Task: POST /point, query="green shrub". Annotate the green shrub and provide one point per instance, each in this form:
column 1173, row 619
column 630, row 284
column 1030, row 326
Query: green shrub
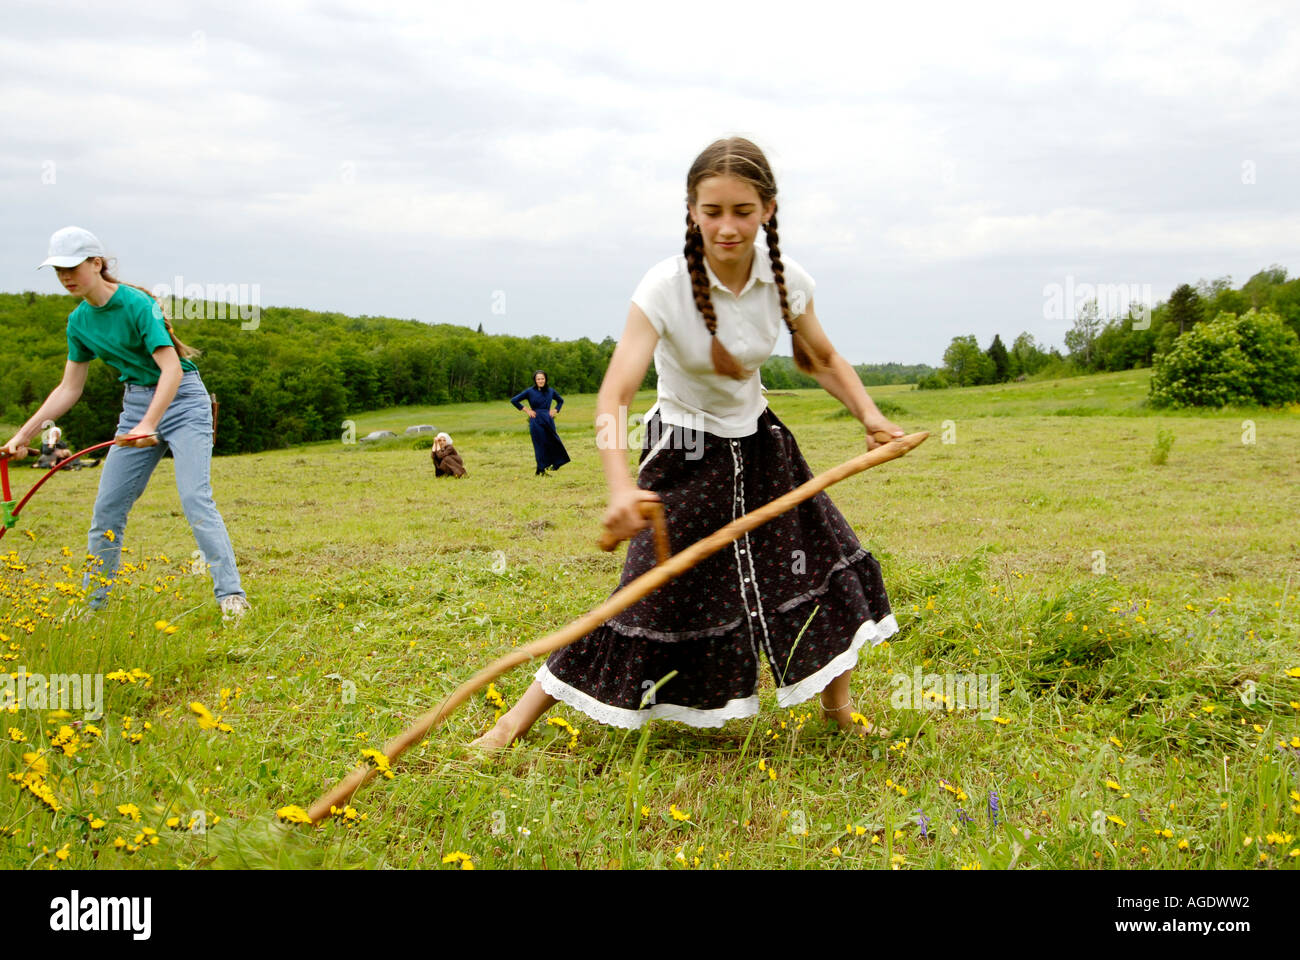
column 935, row 381
column 1160, row 452
column 1242, row 360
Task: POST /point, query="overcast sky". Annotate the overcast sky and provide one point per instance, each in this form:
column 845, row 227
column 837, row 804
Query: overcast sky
column 939, row 166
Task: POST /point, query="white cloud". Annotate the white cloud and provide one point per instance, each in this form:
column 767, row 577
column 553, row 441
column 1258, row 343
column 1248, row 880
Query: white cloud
column 555, row 138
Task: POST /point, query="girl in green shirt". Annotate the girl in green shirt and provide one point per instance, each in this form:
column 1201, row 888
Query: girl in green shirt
column 165, row 405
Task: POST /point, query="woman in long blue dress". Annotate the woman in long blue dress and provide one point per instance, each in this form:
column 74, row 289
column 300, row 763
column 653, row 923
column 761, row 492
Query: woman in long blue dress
column 547, row 447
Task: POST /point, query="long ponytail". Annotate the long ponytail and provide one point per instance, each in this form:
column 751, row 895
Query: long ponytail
column 183, row 350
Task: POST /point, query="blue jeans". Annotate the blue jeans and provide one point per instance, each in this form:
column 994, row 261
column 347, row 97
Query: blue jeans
column 186, row 427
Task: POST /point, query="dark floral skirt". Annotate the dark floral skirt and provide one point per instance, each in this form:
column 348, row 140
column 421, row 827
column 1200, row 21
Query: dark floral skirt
column 749, row 601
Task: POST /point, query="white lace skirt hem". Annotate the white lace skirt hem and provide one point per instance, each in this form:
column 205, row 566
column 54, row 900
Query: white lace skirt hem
column 634, row 719
column 870, row 631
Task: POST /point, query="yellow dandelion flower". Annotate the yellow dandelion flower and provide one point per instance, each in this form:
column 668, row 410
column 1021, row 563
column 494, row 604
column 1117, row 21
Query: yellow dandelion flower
column 457, row 856
column 1116, row 820
column 379, row 761
column 66, row 740
column 36, row 763
column 293, row 814
column 678, row 815
column 129, row 810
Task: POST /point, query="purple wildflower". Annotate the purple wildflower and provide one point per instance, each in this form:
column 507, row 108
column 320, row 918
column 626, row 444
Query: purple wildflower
column 993, row 806
column 923, row 820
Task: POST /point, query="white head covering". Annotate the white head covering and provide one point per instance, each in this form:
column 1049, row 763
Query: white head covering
column 443, row 436
column 70, row 246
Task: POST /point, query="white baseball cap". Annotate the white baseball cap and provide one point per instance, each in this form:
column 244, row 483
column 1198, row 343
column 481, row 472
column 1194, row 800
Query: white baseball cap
column 70, row 246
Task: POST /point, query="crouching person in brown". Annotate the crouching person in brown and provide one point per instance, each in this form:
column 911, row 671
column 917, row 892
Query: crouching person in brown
column 446, row 461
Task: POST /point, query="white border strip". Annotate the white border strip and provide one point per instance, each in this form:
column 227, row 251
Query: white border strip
column 809, row 686
column 634, row 719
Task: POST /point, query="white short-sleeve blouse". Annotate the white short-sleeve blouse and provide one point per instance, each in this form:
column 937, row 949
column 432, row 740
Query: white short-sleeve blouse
column 691, row 394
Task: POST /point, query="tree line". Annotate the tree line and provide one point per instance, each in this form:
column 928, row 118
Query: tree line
column 296, row 374
column 1097, row 343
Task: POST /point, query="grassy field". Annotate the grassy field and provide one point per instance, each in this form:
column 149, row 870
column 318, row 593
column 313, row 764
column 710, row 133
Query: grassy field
column 1141, row 620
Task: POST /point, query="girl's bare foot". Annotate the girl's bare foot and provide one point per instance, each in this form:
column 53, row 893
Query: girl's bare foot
column 517, row 721
column 850, row 720
column 498, row 738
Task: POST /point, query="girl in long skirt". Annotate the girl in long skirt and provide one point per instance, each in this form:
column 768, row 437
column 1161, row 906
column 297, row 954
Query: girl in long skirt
column 164, row 403
column 713, row 452
column 547, row 447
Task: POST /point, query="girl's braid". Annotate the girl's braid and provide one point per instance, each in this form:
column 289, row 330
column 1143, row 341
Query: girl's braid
column 723, row 362
column 801, row 355
column 699, row 279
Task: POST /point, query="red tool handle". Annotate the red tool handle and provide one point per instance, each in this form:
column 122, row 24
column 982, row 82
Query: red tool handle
column 4, row 470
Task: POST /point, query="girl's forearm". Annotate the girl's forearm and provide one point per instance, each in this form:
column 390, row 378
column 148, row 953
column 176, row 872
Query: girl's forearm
column 169, row 381
column 842, row 382
column 60, row 401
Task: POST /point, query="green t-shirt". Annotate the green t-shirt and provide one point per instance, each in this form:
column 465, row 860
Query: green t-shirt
column 123, row 332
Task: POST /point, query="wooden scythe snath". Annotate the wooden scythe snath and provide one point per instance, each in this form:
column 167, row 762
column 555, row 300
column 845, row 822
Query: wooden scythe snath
column 667, row 569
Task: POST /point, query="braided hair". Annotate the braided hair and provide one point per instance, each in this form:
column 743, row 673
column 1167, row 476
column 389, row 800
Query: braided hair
column 741, row 159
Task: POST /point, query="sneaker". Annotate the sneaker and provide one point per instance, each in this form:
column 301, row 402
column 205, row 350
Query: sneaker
column 233, row 607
